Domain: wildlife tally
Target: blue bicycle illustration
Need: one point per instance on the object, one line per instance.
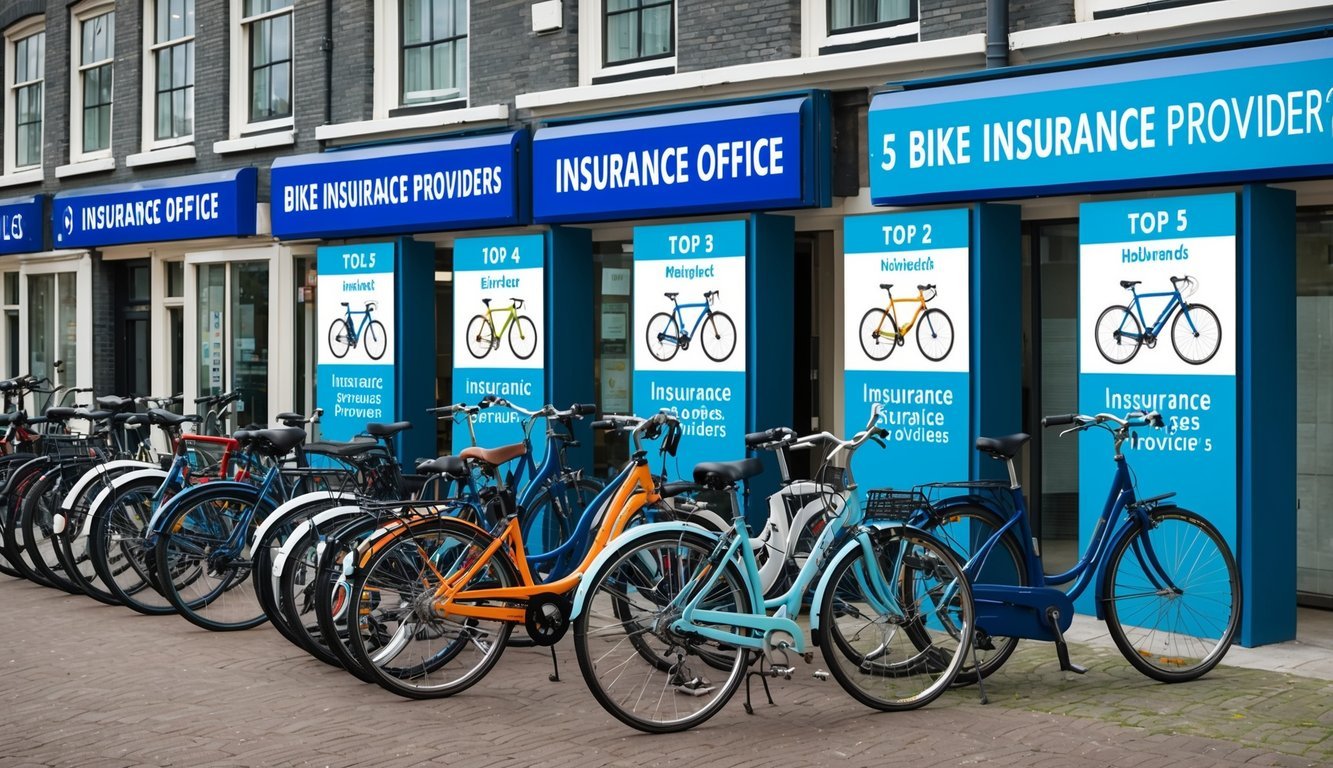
(1196, 333)
(345, 333)
(666, 334)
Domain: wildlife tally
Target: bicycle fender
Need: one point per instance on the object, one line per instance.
(623, 540)
(285, 550)
(834, 561)
(104, 495)
(251, 492)
(98, 472)
(1110, 546)
(299, 501)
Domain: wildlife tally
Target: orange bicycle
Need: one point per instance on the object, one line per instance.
(438, 597)
(881, 331)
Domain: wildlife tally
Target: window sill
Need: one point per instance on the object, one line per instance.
(82, 167)
(611, 73)
(844, 41)
(15, 178)
(438, 119)
(158, 156)
(259, 141)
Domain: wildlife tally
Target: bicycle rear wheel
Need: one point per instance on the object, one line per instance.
(641, 671)
(121, 550)
(878, 335)
(1118, 334)
(37, 519)
(896, 621)
(1178, 631)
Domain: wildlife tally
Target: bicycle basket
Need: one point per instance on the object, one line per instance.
(890, 504)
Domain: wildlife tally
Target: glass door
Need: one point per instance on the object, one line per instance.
(233, 335)
(53, 326)
(1314, 407)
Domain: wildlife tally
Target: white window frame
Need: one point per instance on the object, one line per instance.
(80, 265)
(13, 172)
(240, 73)
(591, 39)
(11, 268)
(1087, 10)
(815, 34)
(389, 61)
(150, 49)
(79, 14)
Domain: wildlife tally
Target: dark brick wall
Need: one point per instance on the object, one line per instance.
(712, 34)
(951, 18)
(353, 60)
(1034, 14)
(104, 329)
(507, 58)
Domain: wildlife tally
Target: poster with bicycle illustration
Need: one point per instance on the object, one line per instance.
(355, 316)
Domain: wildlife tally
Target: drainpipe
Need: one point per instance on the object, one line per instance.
(326, 45)
(997, 33)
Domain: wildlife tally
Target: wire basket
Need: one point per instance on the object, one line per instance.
(890, 504)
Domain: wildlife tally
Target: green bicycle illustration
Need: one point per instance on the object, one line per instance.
(345, 333)
(483, 336)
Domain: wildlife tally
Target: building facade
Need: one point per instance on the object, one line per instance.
(609, 135)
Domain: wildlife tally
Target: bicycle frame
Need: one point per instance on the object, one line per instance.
(704, 311)
(511, 313)
(892, 311)
(355, 329)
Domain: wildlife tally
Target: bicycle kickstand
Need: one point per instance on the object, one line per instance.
(763, 678)
(1062, 648)
(555, 668)
(981, 687)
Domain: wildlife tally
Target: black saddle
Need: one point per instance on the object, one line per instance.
(1129, 283)
(1002, 447)
(445, 465)
(720, 474)
(388, 430)
(672, 295)
(165, 418)
(272, 442)
(342, 450)
(115, 404)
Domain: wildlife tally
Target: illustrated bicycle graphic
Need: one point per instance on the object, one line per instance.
(369, 334)
(1196, 333)
(715, 330)
(483, 336)
(881, 331)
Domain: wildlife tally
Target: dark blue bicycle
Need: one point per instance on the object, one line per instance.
(715, 330)
(1196, 333)
(346, 333)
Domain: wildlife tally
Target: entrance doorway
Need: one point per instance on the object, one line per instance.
(1314, 407)
(133, 297)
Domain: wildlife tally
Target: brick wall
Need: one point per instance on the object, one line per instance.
(951, 18)
(712, 34)
(1034, 14)
(507, 58)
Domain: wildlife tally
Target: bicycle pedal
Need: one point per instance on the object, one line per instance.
(779, 671)
(697, 686)
(820, 674)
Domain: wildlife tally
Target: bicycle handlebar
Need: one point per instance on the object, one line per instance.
(1129, 420)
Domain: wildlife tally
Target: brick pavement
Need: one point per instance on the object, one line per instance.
(93, 685)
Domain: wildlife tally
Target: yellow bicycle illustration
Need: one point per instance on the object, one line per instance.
(881, 331)
(483, 336)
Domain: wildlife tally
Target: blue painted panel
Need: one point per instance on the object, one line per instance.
(928, 417)
(357, 388)
(1258, 113)
(456, 183)
(218, 204)
(22, 220)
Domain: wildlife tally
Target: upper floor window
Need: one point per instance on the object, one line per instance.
(854, 15)
(434, 42)
(25, 72)
(171, 71)
(94, 51)
(266, 27)
(636, 30)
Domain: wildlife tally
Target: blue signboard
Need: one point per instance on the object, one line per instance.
(1147, 255)
(1253, 114)
(742, 157)
(907, 299)
(357, 378)
(500, 333)
(220, 204)
(456, 183)
(21, 224)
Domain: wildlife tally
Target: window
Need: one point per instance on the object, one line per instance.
(1088, 10)
(636, 30)
(52, 326)
(10, 340)
(434, 41)
(94, 50)
(836, 26)
(25, 48)
(857, 15)
(170, 73)
(267, 32)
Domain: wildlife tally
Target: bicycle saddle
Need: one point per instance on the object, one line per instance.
(166, 418)
(672, 295)
(275, 442)
(343, 303)
(676, 488)
(886, 286)
(1129, 283)
(94, 416)
(289, 419)
(17, 417)
(342, 450)
(1002, 447)
(61, 413)
(116, 404)
(388, 430)
(719, 474)
(494, 456)
(453, 466)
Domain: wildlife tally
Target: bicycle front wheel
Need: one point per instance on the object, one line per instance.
(340, 338)
(1196, 334)
(663, 336)
(120, 548)
(718, 336)
(896, 621)
(480, 337)
(523, 337)
(1174, 624)
(375, 340)
(934, 335)
(643, 672)
(1118, 334)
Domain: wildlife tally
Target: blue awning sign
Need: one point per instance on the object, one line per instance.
(183, 208)
(21, 224)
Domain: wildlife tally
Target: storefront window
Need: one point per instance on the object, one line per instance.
(41, 325)
(11, 330)
(67, 326)
(612, 300)
(1314, 406)
(249, 339)
(212, 310)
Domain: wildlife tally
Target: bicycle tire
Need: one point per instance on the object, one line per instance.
(9, 463)
(376, 338)
(526, 332)
(615, 611)
(1110, 340)
(74, 542)
(37, 519)
(19, 484)
(340, 337)
(267, 587)
(718, 336)
(119, 547)
(332, 592)
(934, 331)
(877, 344)
(661, 326)
(1137, 610)
(897, 670)
(479, 336)
(1207, 332)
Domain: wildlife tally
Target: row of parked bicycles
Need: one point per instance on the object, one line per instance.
(417, 581)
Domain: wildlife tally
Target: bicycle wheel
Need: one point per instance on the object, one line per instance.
(203, 558)
(121, 550)
(401, 638)
(717, 336)
(1199, 337)
(73, 543)
(266, 582)
(20, 483)
(480, 336)
(663, 336)
(340, 337)
(639, 669)
(895, 628)
(1172, 634)
(8, 464)
(879, 334)
(1118, 334)
(331, 604)
(964, 529)
(523, 337)
(375, 339)
(551, 515)
(37, 520)
(934, 335)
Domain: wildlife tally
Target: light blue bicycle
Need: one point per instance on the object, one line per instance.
(673, 615)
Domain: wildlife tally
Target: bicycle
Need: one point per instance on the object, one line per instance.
(666, 334)
(934, 329)
(1154, 564)
(670, 605)
(345, 333)
(483, 337)
(1120, 329)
